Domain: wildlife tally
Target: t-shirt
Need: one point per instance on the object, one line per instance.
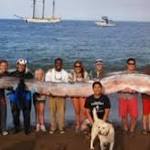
(100, 104)
(56, 76)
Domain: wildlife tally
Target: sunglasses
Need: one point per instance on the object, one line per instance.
(77, 66)
(131, 63)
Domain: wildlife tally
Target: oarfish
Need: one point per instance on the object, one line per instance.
(111, 84)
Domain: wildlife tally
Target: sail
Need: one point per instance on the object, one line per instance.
(34, 5)
(53, 9)
(43, 10)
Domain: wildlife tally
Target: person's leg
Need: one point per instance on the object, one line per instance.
(41, 115)
(15, 114)
(145, 117)
(149, 122)
(123, 113)
(145, 124)
(76, 106)
(82, 109)
(52, 103)
(26, 116)
(3, 115)
(60, 112)
(133, 111)
(37, 116)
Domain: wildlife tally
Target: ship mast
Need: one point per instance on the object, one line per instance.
(53, 9)
(34, 4)
(43, 10)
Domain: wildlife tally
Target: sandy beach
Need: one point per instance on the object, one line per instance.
(70, 141)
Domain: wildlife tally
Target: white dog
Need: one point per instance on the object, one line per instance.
(105, 132)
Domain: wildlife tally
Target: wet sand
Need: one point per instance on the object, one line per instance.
(70, 141)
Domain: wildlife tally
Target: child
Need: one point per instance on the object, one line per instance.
(39, 103)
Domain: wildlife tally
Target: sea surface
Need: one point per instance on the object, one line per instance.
(40, 44)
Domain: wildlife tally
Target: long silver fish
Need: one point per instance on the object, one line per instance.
(111, 84)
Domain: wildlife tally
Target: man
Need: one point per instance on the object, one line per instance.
(146, 107)
(99, 101)
(98, 74)
(3, 103)
(57, 104)
(128, 102)
(21, 98)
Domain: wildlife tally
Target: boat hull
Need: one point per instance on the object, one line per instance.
(101, 24)
(49, 20)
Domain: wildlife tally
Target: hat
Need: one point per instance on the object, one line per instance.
(21, 61)
(99, 61)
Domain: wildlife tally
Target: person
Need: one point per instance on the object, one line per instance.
(98, 73)
(100, 102)
(128, 102)
(79, 74)
(146, 108)
(39, 100)
(3, 103)
(57, 104)
(20, 98)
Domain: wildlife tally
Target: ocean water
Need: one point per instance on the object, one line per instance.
(40, 44)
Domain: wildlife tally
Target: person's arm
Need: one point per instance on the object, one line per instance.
(128, 90)
(106, 114)
(86, 76)
(87, 107)
(89, 116)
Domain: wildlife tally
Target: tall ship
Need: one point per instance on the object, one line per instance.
(105, 22)
(43, 19)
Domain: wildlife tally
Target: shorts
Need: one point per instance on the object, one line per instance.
(128, 106)
(146, 106)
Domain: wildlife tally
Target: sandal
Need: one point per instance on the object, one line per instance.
(144, 132)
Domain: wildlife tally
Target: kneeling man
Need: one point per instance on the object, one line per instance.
(98, 108)
(99, 101)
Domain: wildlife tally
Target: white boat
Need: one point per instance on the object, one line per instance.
(105, 22)
(43, 19)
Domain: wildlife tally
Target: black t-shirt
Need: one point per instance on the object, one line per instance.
(23, 75)
(100, 104)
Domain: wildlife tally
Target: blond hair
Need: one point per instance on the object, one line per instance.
(41, 72)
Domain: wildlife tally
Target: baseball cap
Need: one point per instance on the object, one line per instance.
(21, 61)
(99, 61)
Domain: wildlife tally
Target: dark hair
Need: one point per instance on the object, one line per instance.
(58, 59)
(131, 59)
(98, 83)
(3, 61)
(82, 67)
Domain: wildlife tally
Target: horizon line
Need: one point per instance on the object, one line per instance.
(79, 19)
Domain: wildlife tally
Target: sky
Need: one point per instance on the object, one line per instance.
(128, 10)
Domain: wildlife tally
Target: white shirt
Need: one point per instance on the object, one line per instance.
(56, 76)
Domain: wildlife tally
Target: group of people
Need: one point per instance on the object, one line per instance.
(21, 98)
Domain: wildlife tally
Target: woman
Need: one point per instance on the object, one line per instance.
(39, 103)
(79, 75)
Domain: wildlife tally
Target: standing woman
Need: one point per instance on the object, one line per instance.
(39, 103)
(3, 103)
(79, 75)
